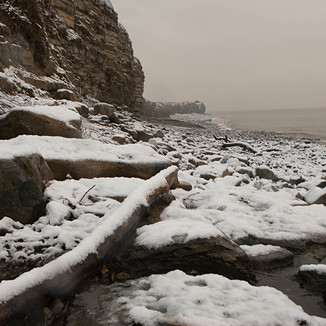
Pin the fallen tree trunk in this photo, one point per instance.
(243, 145)
(62, 277)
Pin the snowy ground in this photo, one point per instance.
(226, 198)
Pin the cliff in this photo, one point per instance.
(75, 44)
(165, 109)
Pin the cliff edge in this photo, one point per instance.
(74, 44)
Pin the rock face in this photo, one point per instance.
(213, 255)
(74, 44)
(165, 109)
(21, 187)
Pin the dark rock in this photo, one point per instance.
(264, 172)
(272, 260)
(65, 94)
(89, 168)
(21, 187)
(104, 109)
(144, 136)
(312, 280)
(215, 255)
(243, 170)
(82, 109)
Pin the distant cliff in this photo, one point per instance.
(76, 44)
(165, 109)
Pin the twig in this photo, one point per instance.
(243, 145)
(85, 194)
(225, 138)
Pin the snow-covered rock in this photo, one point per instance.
(86, 158)
(179, 299)
(57, 120)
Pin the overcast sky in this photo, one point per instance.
(230, 54)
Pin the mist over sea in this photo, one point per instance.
(294, 122)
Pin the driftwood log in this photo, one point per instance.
(243, 145)
(62, 277)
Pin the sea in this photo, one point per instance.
(303, 123)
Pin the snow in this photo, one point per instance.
(9, 152)
(318, 268)
(175, 230)
(111, 221)
(257, 250)
(314, 194)
(213, 300)
(87, 149)
(107, 3)
(64, 113)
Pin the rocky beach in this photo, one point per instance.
(119, 211)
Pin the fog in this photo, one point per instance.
(230, 54)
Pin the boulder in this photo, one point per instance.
(104, 109)
(267, 257)
(87, 158)
(264, 172)
(313, 277)
(65, 94)
(21, 187)
(244, 170)
(316, 195)
(201, 256)
(40, 120)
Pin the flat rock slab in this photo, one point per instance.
(21, 183)
(41, 120)
(160, 249)
(85, 158)
(267, 257)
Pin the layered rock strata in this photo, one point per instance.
(77, 44)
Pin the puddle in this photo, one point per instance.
(284, 280)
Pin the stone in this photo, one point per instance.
(82, 109)
(201, 256)
(143, 136)
(272, 260)
(22, 121)
(65, 94)
(264, 172)
(243, 170)
(104, 109)
(313, 280)
(316, 195)
(21, 187)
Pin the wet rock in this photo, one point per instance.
(25, 121)
(313, 277)
(264, 172)
(269, 258)
(200, 256)
(21, 187)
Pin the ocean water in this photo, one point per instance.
(293, 122)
